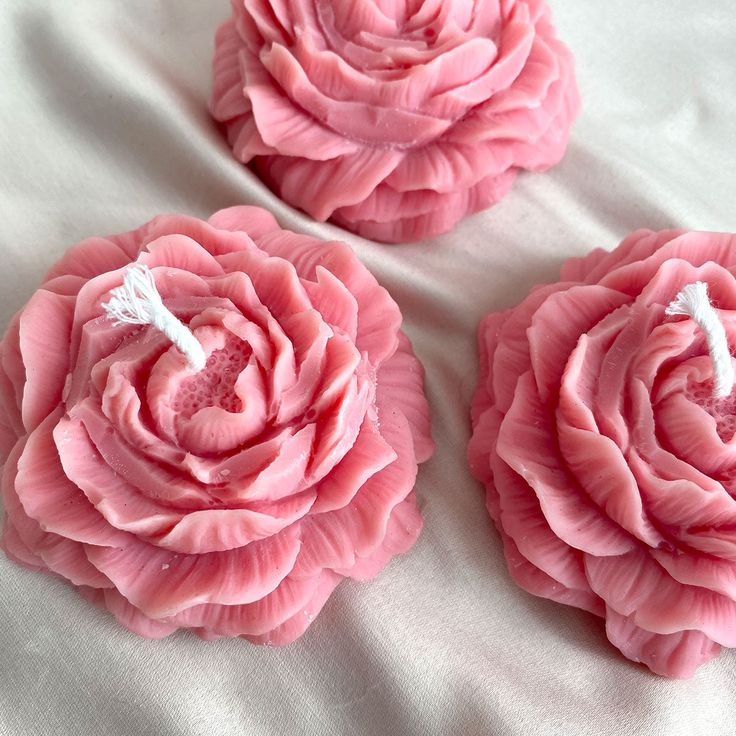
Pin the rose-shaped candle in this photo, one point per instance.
(228, 480)
(393, 118)
(604, 432)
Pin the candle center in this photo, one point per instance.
(214, 385)
(693, 302)
(722, 410)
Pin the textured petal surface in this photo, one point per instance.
(231, 500)
(608, 461)
(393, 119)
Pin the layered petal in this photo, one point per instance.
(607, 457)
(395, 120)
(673, 655)
(233, 499)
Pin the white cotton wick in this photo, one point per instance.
(137, 302)
(693, 302)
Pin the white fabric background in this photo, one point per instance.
(102, 126)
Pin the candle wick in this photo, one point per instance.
(693, 302)
(137, 302)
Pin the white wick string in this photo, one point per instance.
(693, 302)
(137, 302)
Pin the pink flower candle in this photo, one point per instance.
(209, 425)
(397, 118)
(603, 430)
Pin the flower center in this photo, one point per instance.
(215, 384)
(722, 410)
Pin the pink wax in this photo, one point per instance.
(609, 464)
(230, 499)
(393, 119)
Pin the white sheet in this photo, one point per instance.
(103, 125)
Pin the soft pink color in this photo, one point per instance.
(609, 467)
(393, 118)
(230, 501)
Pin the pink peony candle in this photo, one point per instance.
(393, 118)
(209, 425)
(603, 430)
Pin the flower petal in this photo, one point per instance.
(526, 443)
(45, 331)
(321, 187)
(50, 498)
(673, 655)
(161, 583)
(401, 387)
(634, 585)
